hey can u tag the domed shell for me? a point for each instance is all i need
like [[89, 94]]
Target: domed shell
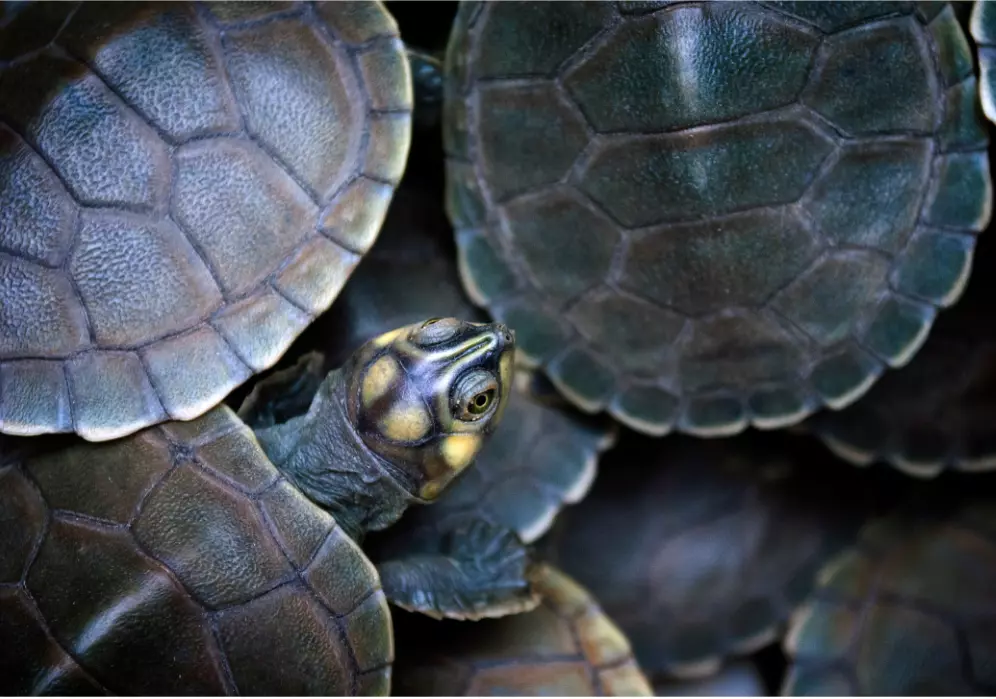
[[938, 412], [183, 189], [701, 551], [179, 561], [909, 611], [707, 215], [567, 647]]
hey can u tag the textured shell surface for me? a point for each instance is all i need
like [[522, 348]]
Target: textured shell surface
[[183, 189], [178, 560], [566, 647], [700, 216], [908, 611]]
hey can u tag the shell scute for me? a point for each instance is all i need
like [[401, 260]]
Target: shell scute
[[131, 602], [216, 541]]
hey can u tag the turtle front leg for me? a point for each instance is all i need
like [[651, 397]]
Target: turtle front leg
[[479, 570]]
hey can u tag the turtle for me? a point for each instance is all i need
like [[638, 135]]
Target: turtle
[[565, 647], [203, 557], [540, 458], [739, 679], [184, 188], [703, 215], [936, 413], [909, 609], [700, 550]]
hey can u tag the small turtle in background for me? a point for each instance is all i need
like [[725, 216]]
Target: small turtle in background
[[909, 610], [707, 215], [183, 189], [700, 551], [201, 557]]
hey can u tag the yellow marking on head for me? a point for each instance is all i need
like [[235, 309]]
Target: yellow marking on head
[[387, 338], [405, 422], [431, 490], [505, 367], [378, 380], [459, 450]]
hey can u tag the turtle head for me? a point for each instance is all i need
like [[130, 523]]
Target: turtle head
[[425, 397]]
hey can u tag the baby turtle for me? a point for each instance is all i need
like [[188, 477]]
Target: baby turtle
[[539, 459], [565, 647], [908, 611], [183, 189], [700, 551], [709, 215], [201, 558]]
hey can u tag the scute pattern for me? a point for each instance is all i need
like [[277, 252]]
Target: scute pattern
[[153, 572], [179, 163], [937, 412], [732, 166], [906, 612]]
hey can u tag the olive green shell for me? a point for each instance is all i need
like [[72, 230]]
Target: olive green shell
[[938, 412], [707, 215], [178, 560], [539, 459], [183, 189], [701, 550], [565, 647], [909, 611]]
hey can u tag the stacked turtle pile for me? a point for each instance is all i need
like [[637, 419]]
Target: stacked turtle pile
[[498, 361]]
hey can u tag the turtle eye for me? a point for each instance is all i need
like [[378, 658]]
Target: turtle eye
[[474, 395], [435, 331], [480, 403]]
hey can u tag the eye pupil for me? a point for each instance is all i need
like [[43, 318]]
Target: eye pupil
[[479, 403]]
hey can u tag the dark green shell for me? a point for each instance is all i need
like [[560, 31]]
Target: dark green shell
[[539, 458], [178, 560], [183, 190], [565, 647], [909, 611], [702, 550], [709, 215], [939, 411]]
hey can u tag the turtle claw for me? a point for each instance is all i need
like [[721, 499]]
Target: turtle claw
[[481, 571]]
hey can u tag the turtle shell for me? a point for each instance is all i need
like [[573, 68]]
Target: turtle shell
[[983, 29], [567, 646], [709, 215], [540, 457], [939, 411], [184, 188], [703, 553], [179, 561], [909, 611]]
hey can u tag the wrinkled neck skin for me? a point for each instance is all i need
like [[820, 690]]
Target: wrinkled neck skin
[[326, 459]]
